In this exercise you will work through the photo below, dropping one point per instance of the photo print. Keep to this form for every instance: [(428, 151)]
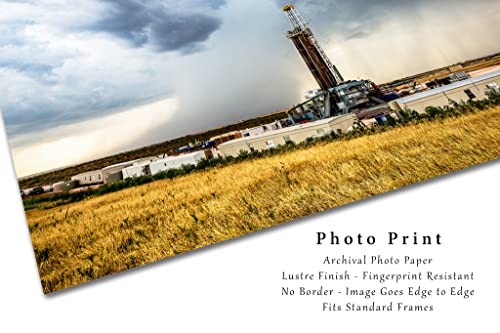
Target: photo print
[(144, 130)]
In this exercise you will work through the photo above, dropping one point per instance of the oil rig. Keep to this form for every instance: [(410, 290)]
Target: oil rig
[(336, 96), (324, 71)]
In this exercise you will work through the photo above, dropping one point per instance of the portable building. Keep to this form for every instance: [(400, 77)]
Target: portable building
[(472, 88), (176, 162), (253, 131), (114, 170), (296, 134), (89, 178), (136, 170), (261, 129)]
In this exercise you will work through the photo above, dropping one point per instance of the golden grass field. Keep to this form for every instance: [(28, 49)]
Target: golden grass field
[(108, 234)]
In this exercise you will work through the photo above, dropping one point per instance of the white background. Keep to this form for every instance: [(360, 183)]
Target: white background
[(236, 287)]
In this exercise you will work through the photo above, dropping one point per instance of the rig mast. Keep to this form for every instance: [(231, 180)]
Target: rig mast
[(324, 71)]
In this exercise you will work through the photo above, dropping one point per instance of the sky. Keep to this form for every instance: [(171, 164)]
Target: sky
[(80, 80)]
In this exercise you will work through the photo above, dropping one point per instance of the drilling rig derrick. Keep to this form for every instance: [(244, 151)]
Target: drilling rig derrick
[(324, 71), (337, 96)]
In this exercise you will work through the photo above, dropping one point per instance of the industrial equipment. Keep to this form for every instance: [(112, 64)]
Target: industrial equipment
[(324, 71), (337, 96)]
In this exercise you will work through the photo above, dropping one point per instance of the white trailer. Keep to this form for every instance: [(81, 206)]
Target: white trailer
[(89, 178), (296, 134), (473, 88), (176, 162), (136, 170)]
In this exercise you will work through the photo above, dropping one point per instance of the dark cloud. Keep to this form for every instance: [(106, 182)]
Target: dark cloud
[(182, 32), (42, 87), (162, 26)]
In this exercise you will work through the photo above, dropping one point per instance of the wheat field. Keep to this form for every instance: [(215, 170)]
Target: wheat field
[(108, 234)]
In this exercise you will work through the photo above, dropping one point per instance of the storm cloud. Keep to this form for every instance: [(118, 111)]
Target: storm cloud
[(62, 62), (159, 24)]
